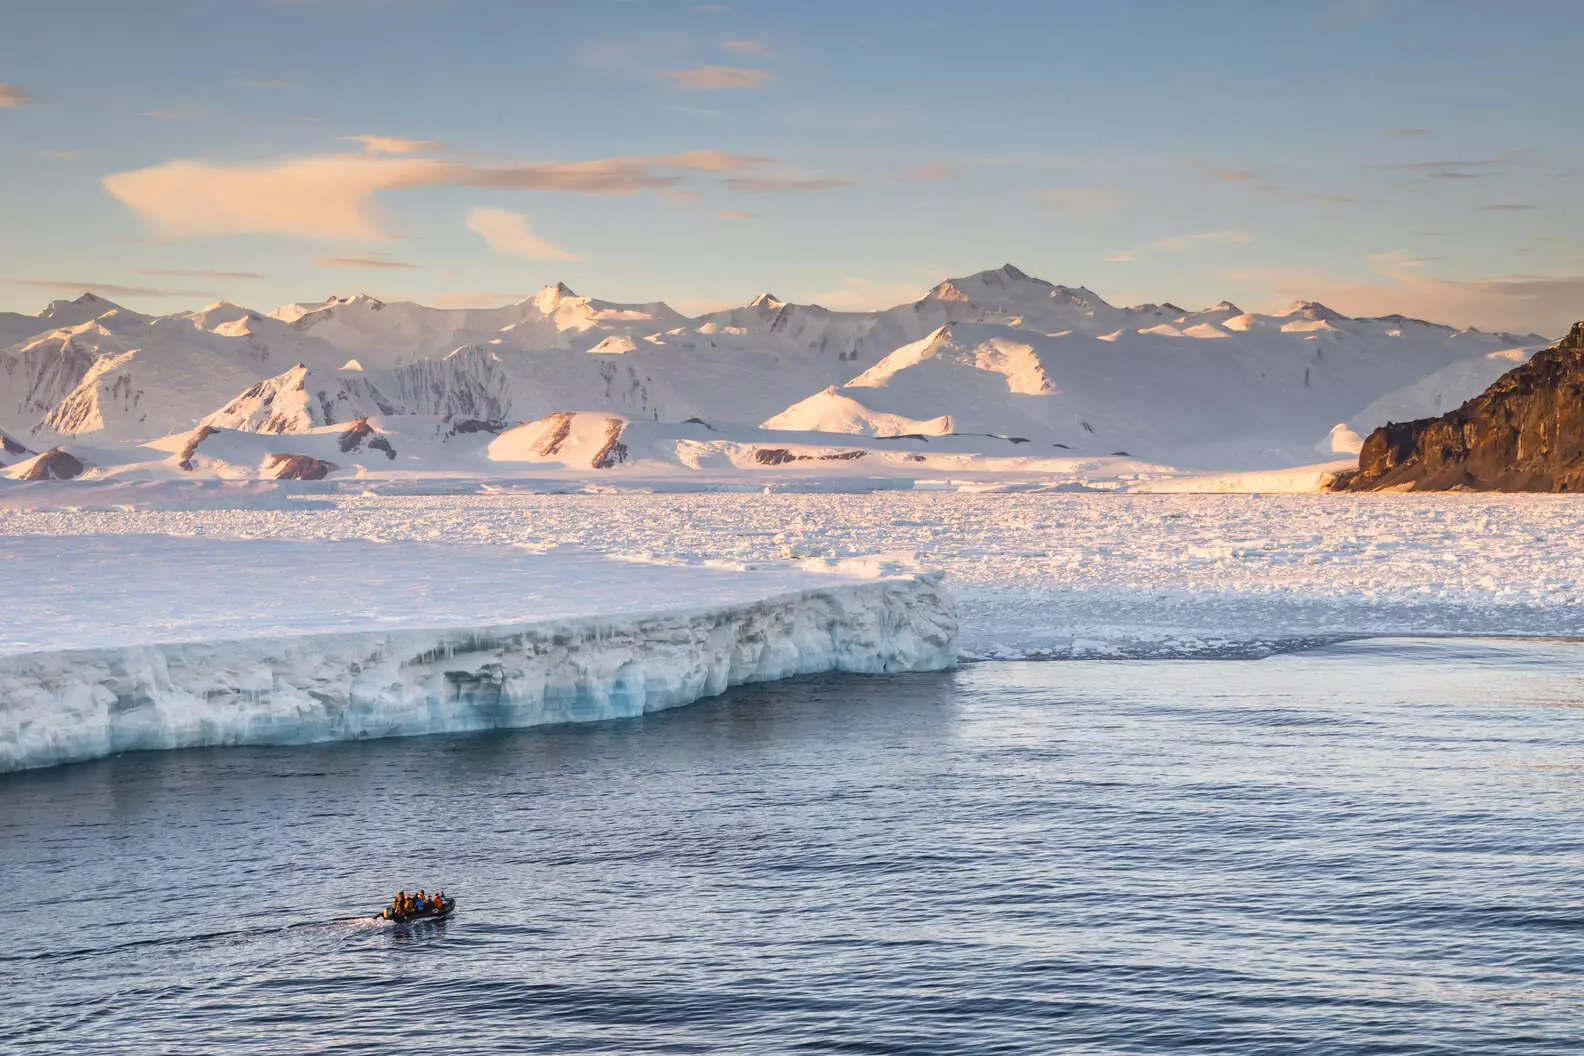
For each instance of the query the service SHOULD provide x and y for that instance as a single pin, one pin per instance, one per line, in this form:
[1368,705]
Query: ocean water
[1373,847]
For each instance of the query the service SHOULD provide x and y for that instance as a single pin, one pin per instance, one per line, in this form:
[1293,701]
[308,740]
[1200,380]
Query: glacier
[286,663]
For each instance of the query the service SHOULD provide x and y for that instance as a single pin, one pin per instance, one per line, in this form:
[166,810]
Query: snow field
[1034,574]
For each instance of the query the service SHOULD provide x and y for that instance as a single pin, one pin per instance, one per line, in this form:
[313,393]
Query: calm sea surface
[1376,847]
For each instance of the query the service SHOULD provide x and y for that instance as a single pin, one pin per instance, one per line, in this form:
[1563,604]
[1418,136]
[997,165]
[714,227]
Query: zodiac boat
[444,910]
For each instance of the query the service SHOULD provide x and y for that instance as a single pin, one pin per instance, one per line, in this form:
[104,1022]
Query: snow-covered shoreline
[678,634]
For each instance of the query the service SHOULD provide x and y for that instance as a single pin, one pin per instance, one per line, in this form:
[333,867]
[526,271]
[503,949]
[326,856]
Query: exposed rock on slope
[53,464]
[1524,433]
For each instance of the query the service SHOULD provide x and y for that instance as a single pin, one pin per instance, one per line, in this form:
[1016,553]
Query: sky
[1414,156]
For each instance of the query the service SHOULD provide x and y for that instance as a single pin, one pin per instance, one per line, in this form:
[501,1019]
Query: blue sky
[1382,155]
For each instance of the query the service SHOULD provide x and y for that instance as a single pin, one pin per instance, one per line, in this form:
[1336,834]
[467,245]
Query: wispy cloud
[736,214]
[1330,199]
[1509,207]
[1080,198]
[1443,170]
[366,260]
[182,273]
[478,299]
[783,184]
[1234,175]
[1121,256]
[862,295]
[746,47]
[717,79]
[1177,242]
[109,289]
[930,172]
[331,196]
[396,145]
[1544,304]
[13,97]
[508,232]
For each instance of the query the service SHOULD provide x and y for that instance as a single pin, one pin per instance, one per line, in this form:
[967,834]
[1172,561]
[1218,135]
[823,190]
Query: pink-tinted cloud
[862,295]
[366,260]
[930,172]
[746,47]
[104,289]
[183,273]
[508,232]
[479,299]
[1543,304]
[396,145]
[783,184]
[333,196]
[717,79]
[13,96]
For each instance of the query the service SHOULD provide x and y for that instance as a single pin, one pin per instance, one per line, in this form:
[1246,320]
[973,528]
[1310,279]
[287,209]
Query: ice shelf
[117,643]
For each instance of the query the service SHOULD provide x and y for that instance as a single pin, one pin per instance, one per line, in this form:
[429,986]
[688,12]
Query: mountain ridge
[1053,361]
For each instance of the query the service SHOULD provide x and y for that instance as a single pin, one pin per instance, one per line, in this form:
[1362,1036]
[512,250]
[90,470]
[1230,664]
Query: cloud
[783,184]
[717,79]
[1121,256]
[110,289]
[1184,241]
[13,97]
[507,232]
[1234,175]
[395,145]
[708,161]
[861,295]
[365,260]
[1080,199]
[332,196]
[1332,199]
[168,115]
[473,300]
[1543,304]
[747,47]
[1442,170]
[179,273]
[930,172]
[736,214]
[315,197]
[1509,208]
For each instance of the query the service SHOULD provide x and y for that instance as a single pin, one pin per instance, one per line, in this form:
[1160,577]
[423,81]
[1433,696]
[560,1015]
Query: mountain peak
[549,299]
[88,300]
[1313,310]
[767,300]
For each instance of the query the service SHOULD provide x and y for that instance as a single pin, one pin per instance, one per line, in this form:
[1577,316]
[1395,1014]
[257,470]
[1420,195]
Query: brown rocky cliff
[1524,433]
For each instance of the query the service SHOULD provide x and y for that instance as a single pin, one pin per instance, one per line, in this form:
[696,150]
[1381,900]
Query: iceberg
[166,664]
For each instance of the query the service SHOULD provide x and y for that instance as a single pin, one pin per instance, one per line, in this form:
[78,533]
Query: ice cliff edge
[60,706]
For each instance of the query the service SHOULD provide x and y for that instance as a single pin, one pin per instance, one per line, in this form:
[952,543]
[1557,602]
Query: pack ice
[115,643]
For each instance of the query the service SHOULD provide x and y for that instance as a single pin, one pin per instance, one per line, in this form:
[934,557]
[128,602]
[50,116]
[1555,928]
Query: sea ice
[112,643]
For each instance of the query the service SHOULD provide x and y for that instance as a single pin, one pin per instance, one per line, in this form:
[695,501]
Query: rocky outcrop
[53,464]
[1524,433]
[296,467]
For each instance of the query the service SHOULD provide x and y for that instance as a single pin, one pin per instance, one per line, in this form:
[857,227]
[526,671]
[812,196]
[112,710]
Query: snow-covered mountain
[998,353]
